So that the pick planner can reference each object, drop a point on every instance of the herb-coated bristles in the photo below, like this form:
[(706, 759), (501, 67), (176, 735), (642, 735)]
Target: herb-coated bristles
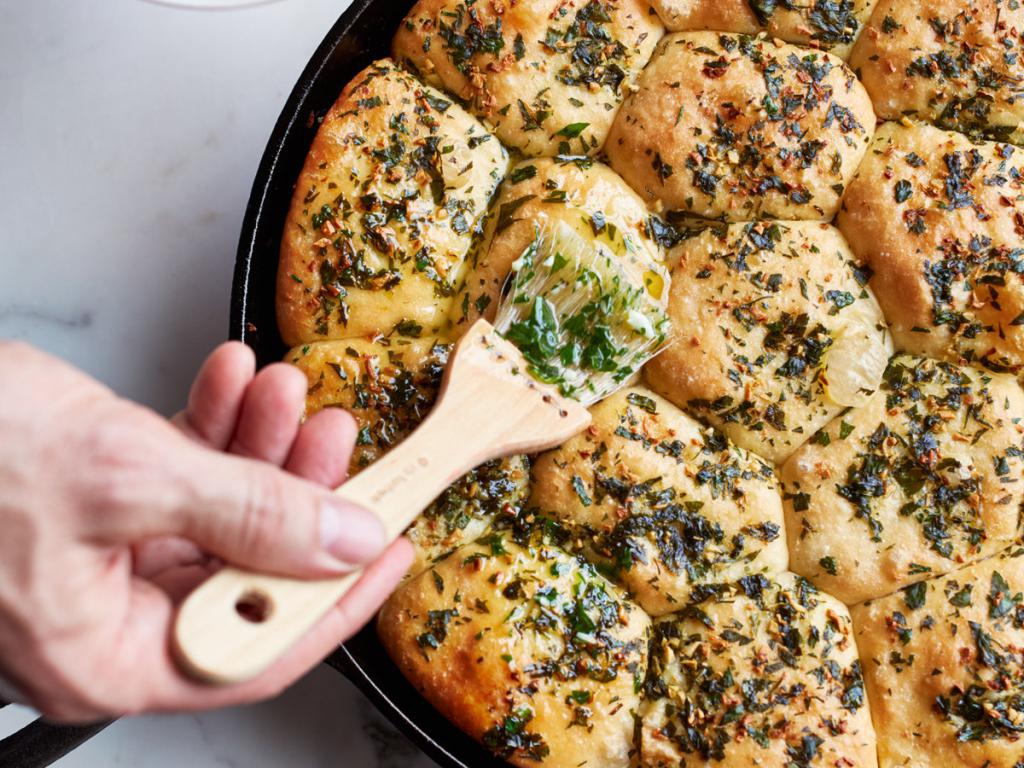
[(577, 318)]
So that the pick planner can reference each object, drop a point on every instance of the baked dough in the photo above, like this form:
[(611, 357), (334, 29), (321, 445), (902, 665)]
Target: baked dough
[(526, 617), (944, 668), (384, 211), (666, 504), (775, 333), (525, 648), (468, 508), (925, 477), (957, 63), (388, 385), (833, 26), (763, 674), (723, 125), (587, 196), (548, 75), (940, 221)]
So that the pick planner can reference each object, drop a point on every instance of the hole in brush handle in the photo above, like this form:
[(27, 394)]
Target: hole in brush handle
[(255, 606), (237, 624)]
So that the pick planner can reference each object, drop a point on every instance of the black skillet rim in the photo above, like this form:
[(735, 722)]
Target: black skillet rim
[(40, 743), (361, 35)]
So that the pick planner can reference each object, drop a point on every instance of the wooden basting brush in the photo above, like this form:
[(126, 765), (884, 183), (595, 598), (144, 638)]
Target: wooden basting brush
[(572, 329)]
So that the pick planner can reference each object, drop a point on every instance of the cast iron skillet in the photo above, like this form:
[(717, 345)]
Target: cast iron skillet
[(362, 35)]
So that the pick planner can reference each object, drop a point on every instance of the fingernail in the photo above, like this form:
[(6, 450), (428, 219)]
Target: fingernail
[(349, 533)]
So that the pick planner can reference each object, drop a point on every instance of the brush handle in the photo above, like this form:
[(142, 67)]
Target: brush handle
[(488, 407)]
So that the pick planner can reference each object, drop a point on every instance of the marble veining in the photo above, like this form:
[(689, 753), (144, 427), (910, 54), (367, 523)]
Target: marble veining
[(28, 316), (132, 132), (390, 748)]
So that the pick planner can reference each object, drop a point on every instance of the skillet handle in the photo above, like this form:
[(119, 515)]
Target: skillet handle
[(40, 744)]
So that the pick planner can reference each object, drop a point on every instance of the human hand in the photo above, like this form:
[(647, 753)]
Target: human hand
[(111, 515)]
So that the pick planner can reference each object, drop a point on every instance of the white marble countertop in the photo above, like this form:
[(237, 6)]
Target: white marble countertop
[(129, 136)]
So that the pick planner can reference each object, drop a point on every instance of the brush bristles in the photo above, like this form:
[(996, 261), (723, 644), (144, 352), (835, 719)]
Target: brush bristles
[(578, 319)]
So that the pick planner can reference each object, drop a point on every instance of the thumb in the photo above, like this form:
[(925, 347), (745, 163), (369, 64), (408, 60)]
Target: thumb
[(254, 515)]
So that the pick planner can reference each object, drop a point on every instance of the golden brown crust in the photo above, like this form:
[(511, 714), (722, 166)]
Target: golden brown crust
[(763, 674), (526, 617), (548, 75), (384, 211), (924, 478), (589, 197), (957, 63), (388, 385), (775, 333), (832, 26), (526, 649), (944, 668), (940, 221), (666, 504), (727, 126)]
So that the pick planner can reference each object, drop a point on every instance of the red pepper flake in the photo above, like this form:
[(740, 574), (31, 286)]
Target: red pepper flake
[(715, 69)]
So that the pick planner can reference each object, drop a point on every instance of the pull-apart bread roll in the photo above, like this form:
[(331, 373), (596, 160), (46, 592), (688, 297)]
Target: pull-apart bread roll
[(940, 222), (588, 197), (827, 24), (765, 673), (724, 125), (956, 63), (384, 212), (944, 668), (527, 649), (664, 503), (468, 508), (925, 477), (775, 333), (548, 75), (388, 385)]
